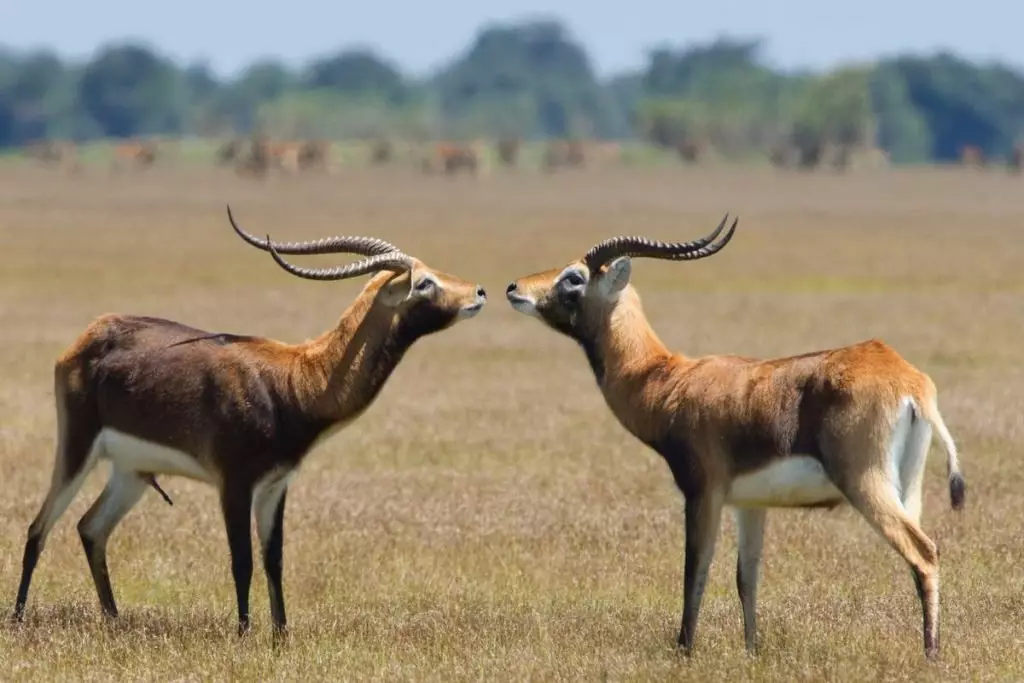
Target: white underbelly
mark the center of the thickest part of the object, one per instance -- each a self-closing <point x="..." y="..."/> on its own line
<point x="132" y="454"/>
<point x="795" y="481"/>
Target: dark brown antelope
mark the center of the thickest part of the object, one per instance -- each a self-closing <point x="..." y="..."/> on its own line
<point x="156" y="397"/>
<point x="851" y="424"/>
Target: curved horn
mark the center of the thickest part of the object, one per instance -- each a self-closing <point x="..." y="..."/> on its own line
<point x="394" y="260"/>
<point x="366" y="246"/>
<point x="635" y="245"/>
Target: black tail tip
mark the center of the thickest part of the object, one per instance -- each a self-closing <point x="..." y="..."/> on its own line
<point x="957" y="490"/>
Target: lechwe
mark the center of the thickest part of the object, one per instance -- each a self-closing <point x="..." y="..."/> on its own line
<point x="156" y="397"/>
<point x="844" y="425"/>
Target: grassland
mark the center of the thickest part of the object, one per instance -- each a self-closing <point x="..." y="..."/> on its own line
<point x="487" y="519"/>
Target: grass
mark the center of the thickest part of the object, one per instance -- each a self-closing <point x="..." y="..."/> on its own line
<point x="487" y="518"/>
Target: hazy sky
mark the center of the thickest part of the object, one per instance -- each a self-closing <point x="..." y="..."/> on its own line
<point x="421" y="34"/>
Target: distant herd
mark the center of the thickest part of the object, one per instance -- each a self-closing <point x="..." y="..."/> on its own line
<point x="258" y="155"/>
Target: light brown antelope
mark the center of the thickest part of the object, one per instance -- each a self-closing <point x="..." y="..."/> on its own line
<point x="564" y="154"/>
<point x="973" y="156"/>
<point x="851" y="424"/>
<point x="239" y="412"/>
<point x="137" y="153"/>
<point x="452" y="158"/>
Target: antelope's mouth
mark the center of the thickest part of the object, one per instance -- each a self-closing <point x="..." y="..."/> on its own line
<point x="472" y="309"/>
<point x="523" y="304"/>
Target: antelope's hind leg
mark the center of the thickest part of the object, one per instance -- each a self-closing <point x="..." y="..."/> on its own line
<point x="123" y="491"/>
<point x="76" y="454"/>
<point x="750" y="524"/>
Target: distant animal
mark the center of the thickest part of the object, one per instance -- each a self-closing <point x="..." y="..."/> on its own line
<point x="1016" y="158"/>
<point x="60" y="153"/>
<point x="508" y="151"/>
<point x="972" y="156"/>
<point x="382" y="152"/>
<point x="564" y="154"/>
<point x="135" y="153"/>
<point x="453" y="158"/>
<point x="313" y="154"/>
<point x="229" y="152"/>
<point x="689" y="150"/>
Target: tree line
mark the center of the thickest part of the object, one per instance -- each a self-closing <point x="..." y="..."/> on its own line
<point x="529" y="80"/>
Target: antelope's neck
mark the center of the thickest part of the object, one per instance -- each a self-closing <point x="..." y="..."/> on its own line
<point x="632" y="366"/>
<point x="344" y="369"/>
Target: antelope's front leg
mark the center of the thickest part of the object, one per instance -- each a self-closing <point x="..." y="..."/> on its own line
<point x="236" y="502"/>
<point x="703" y="519"/>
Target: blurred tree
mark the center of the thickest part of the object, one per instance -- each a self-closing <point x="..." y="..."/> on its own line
<point x="130" y="90"/>
<point x="528" y="79"/>
<point x="538" y="72"/>
<point x="357" y="72"/>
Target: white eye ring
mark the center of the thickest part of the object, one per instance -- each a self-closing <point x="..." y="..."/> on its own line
<point x="424" y="284"/>
<point x="573" y="279"/>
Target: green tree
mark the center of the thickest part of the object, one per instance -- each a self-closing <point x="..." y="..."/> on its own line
<point x="901" y="128"/>
<point x="357" y="72"/>
<point x="130" y="90"/>
<point x="533" y="72"/>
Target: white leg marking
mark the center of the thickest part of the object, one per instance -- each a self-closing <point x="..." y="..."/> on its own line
<point x="794" y="481"/>
<point x="132" y="454"/>
<point x="122" y="492"/>
<point x="266" y="495"/>
<point x="67" y="493"/>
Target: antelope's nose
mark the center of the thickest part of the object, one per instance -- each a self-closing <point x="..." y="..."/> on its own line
<point x="481" y="293"/>
<point x="511" y="288"/>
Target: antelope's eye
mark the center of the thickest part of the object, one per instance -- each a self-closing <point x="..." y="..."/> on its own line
<point x="424" y="284"/>
<point x="573" y="279"/>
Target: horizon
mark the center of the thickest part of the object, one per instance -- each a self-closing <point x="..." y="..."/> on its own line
<point x="801" y="39"/>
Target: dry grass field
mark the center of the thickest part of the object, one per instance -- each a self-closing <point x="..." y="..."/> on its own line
<point x="488" y="519"/>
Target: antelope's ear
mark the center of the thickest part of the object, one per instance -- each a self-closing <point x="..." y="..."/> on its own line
<point x="397" y="289"/>
<point x="616" y="277"/>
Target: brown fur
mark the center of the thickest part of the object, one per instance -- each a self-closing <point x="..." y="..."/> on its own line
<point x="139" y="153"/>
<point x="720" y="417"/>
<point x="973" y="156"/>
<point x="451" y="158"/>
<point x="690" y="150"/>
<point x="246" y="409"/>
<point x="564" y="154"/>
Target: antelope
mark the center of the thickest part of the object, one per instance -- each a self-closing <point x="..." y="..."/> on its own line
<point x="453" y="158"/>
<point x="973" y="156"/>
<point x="508" y="151"/>
<point x="690" y="150"/>
<point x="850" y="424"/>
<point x="238" y="412"/>
<point x="564" y="154"/>
<point x="1016" y="158"/>
<point x="141" y="153"/>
